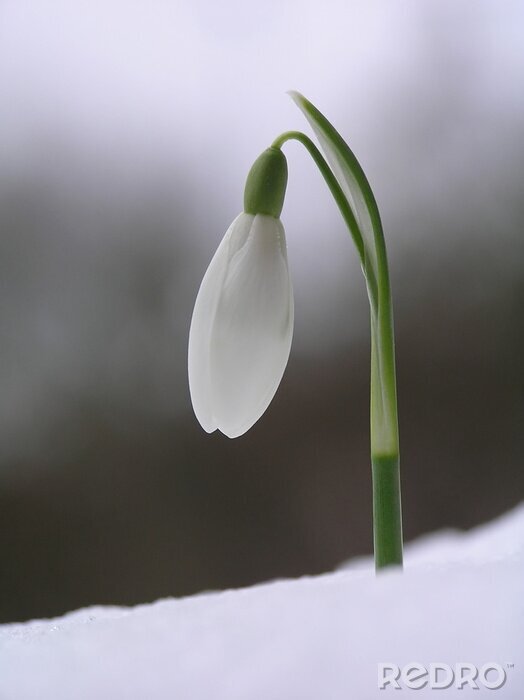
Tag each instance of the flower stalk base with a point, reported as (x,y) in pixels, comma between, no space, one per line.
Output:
(387,518)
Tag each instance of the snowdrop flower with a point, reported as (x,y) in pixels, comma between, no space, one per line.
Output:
(242,323)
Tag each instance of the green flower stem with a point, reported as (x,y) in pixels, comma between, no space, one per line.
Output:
(387,510)
(387,515)
(340,199)
(332,183)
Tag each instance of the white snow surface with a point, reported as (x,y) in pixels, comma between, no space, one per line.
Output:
(460,599)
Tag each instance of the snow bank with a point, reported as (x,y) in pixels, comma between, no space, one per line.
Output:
(460,600)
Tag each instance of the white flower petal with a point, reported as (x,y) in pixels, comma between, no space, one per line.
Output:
(242,326)
(203,319)
(253,328)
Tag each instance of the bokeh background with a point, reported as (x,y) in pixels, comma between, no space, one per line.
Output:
(126,132)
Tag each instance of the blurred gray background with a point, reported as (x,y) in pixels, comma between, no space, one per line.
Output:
(126,132)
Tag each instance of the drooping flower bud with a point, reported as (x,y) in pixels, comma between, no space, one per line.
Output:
(266,184)
(242,323)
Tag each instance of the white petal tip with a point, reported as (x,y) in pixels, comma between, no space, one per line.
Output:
(208,426)
(233,434)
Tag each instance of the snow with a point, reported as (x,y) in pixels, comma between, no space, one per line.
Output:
(316,638)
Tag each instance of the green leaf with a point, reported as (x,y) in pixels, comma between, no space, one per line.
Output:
(357,190)
(350,176)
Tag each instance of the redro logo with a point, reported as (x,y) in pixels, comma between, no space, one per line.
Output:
(439,676)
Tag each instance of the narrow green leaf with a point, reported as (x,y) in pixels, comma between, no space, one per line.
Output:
(357,190)
(355,197)
(349,174)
